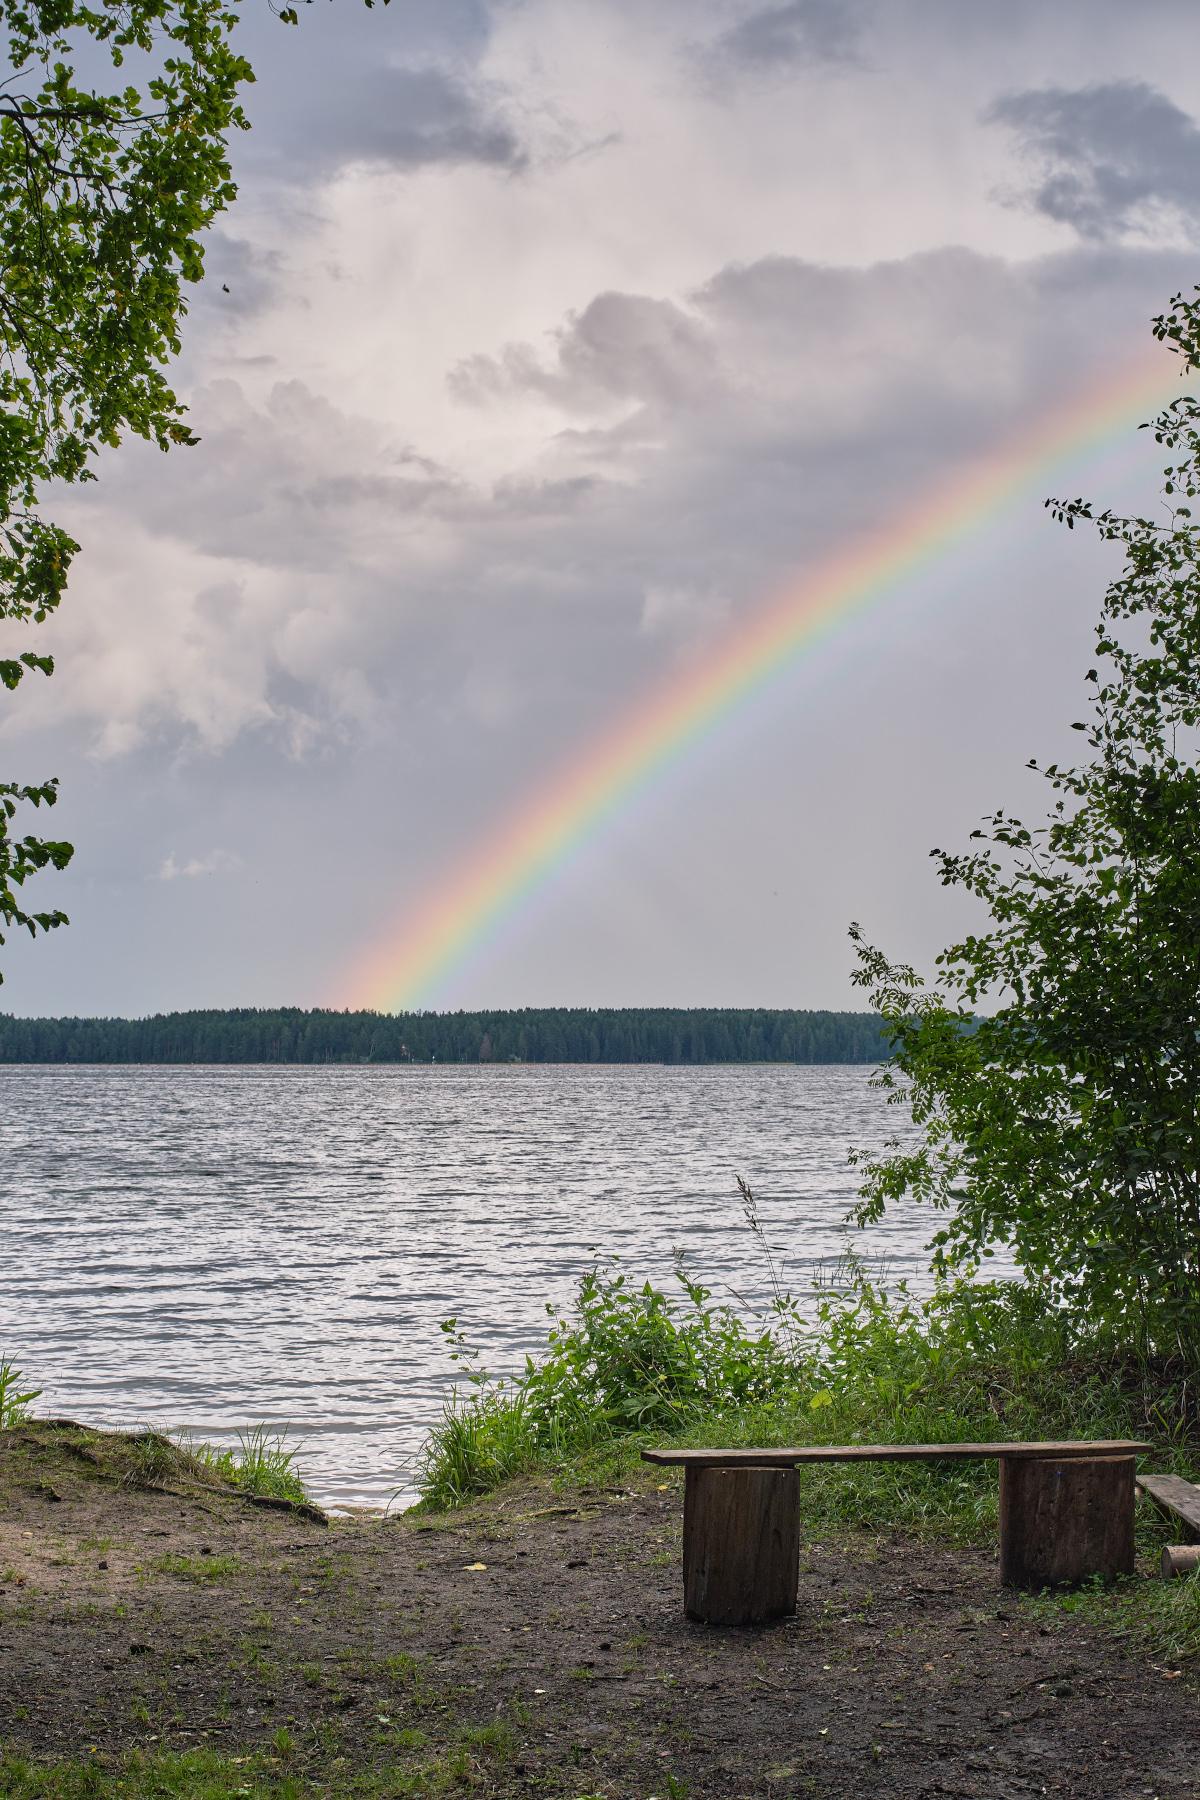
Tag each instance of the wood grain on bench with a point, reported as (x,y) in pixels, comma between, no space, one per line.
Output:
(1176,1496)
(811,1453)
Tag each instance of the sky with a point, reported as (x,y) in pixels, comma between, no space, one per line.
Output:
(548,340)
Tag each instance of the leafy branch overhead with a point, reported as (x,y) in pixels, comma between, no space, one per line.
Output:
(1053,1066)
(103,198)
(105,193)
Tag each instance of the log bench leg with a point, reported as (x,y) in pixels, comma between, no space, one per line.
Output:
(1061,1522)
(741,1544)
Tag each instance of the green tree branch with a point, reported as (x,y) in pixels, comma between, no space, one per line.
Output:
(104,200)
(1065,1122)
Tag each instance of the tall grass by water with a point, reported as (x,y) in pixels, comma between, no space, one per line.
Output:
(15,1399)
(630,1364)
(262,1462)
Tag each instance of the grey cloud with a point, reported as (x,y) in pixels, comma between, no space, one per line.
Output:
(195,868)
(325,45)
(519,496)
(796,34)
(780,351)
(303,579)
(1112,158)
(240,277)
(773,363)
(407,118)
(392,90)
(621,347)
(309,474)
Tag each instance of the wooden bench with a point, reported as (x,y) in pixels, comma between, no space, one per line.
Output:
(1180,1500)
(1066,1513)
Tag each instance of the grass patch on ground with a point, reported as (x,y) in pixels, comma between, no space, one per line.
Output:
(190,1775)
(263,1463)
(1162,1617)
(202,1570)
(467,1765)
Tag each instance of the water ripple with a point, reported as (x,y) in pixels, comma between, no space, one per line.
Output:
(213,1247)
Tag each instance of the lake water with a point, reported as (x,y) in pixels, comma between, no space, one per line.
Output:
(211,1248)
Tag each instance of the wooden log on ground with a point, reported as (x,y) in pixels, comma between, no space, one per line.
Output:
(1062,1522)
(1179,1559)
(741,1544)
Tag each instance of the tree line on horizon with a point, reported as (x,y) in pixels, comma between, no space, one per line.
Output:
(630,1034)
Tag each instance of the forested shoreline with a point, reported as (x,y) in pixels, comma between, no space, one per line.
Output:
(528,1034)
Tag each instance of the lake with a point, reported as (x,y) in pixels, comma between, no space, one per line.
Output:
(212,1248)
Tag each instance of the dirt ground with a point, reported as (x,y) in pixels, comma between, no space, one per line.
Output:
(536,1645)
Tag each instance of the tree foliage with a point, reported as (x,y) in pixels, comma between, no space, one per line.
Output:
(105,190)
(1065,1122)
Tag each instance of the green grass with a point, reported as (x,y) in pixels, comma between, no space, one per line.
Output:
(152,1460)
(632,1366)
(199,1569)
(263,1463)
(14,1399)
(477,1756)
(192,1775)
(1160,1617)
(467,1764)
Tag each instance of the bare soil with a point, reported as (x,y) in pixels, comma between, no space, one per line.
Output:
(535,1644)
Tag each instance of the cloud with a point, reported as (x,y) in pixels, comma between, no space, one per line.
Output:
(306,582)
(1113,159)
(798,34)
(398,90)
(284,480)
(678,612)
(411,117)
(242,278)
(217,862)
(783,352)
(405,119)
(620,348)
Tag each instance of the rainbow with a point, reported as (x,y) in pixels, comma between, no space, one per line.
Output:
(469,905)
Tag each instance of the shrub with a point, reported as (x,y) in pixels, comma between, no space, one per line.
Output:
(632,1365)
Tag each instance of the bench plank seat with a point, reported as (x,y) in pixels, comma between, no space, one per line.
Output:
(813,1453)
(1176,1496)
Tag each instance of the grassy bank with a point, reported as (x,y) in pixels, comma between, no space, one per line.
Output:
(260,1466)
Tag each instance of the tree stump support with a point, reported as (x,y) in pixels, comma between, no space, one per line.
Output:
(1179,1559)
(741,1544)
(1062,1522)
